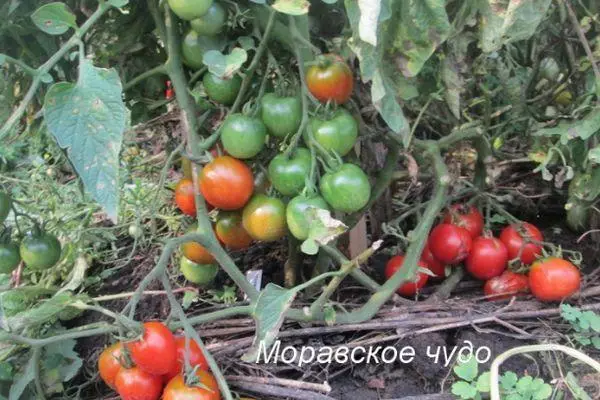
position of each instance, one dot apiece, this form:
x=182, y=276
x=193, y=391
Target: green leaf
x=188, y=299
x=54, y=18
x=570, y=313
x=118, y=3
x=292, y=7
x=224, y=66
x=593, y=320
x=88, y=119
x=596, y=342
x=247, y=42
x=467, y=370
x=67, y=361
x=582, y=128
x=367, y=24
x=464, y=390
x=22, y=380
x=6, y=372
x=508, y=380
x=46, y=311
x=323, y=229
x=524, y=384
x=484, y=382
x=541, y=390
x=503, y=22
x=77, y=275
x=330, y=315
x=453, y=82
x=594, y=155
x=269, y=312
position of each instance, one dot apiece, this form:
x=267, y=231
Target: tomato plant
x=450, y=244
x=226, y=183
x=190, y=9
x=220, y=90
x=206, y=388
x=264, y=218
x=211, y=23
x=230, y=231
x=185, y=198
x=410, y=288
x=296, y=214
x=488, y=258
x=40, y=250
x=243, y=136
x=195, y=357
x=522, y=241
x=337, y=134
x=136, y=384
x=468, y=217
x=346, y=189
x=506, y=285
x=155, y=352
x=330, y=79
x=200, y=274
x=109, y=363
x=554, y=279
x=288, y=174
x=281, y=115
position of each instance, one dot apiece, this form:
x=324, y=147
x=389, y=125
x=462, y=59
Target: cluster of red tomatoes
x=153, y=365
x=460, y=238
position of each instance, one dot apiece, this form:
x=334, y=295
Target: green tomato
x=243, y=136
x=346, y=189
x=549, y=69
x=288, y=175
x=296, y=214
x=190, y=9
x=9, y=257
x=281, y=115
x=578, y=215
x=212, y=22
x=5, y=204
x=200, y=274
x=336, y=134
x=223, y=91
x=194, y=46
x=40, y=251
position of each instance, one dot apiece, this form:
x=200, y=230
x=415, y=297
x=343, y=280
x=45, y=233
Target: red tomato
x=433, y=264
x=109, y=363
x=208, y=389
x=156, y=351
x=226, y=183
x=506, y=285
x=410, y=288
x=553, y=279
x=231, y=232
x=450, y=243
x=169, y=92
x=488, y=258
x=196, y=358
x=330, y=79
x=517, y=239
x=135, y=384
x=467, y=217
x=184, y=197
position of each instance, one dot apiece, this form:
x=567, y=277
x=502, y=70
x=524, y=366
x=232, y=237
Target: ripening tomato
x=184, y=197
x=200, y=274
x=330, y=79
x=155, y=352
x=468, y=217
x=230, y=231
x=409, y=288
x=208, y=389
x=506, y=285
x=450, y=244
x=196, y=358
x=195, y=252
x=553, y=279
x=264, y=218
x=519, y=240
x=433, y=264
x=488, y=258
x=109, y=363
x=136, y=384
x=226, y=183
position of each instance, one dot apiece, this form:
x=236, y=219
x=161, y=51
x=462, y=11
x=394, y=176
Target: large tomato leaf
x=503, y=23
x=292, y=7
x=54, y=18
x=269, y=313
x=88, y=119
x=408, y=32
x=225, y=65
x=583, y=128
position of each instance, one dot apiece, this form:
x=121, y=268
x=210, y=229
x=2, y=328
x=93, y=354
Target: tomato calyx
x=191, y=379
